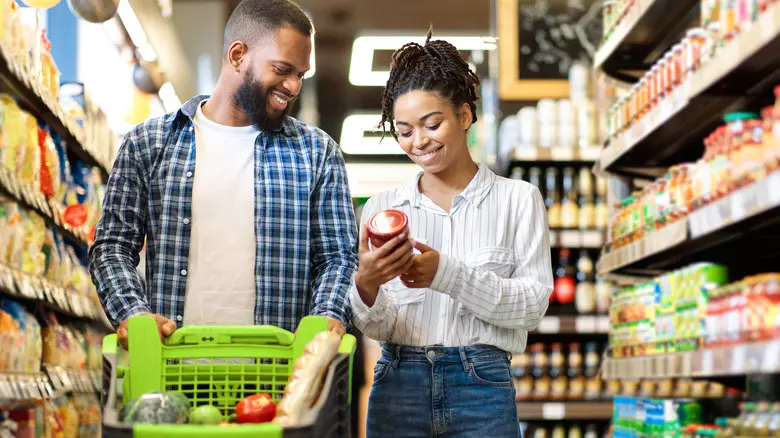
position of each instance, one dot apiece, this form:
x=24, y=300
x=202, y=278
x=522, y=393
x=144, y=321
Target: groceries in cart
x=300, y=394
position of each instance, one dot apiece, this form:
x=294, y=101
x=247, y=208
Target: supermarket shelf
x=740, y=76
x=531, y=154
x=745, y=222
x=755, y=358
x=26, y=387
x=16, y=82
x=19, y=285
x=639, y=38
x=35, y=200
x=576, y=238
x=529, y=411
x=585, y=324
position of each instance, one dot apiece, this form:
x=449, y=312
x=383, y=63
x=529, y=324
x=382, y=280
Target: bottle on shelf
x=576, y=378
x=540, y=372
x=593, y=385
x=552, y=198
x=564, y=284
x=518, y=173
x=575, y=432
x=601, y=208
x=591, y=431
x=587, y=219
x=585, y=293
x=603, y=295
x=558, y=377
x=570, y=210
x=524, y=379
x=535, y=178
x=559, y=431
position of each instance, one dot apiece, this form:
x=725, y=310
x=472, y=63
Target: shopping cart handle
x=209, y=335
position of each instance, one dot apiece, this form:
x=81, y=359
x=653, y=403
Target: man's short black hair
x=253, y=19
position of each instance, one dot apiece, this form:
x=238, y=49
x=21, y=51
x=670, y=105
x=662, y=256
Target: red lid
x=387, y=222
x=777, y=90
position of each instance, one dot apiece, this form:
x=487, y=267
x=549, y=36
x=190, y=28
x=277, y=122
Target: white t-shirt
x=221, y=279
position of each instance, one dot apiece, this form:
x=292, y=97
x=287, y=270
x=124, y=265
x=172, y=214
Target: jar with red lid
x=669, y=75
x=385, y=225
x=752, y=152
x=734, y=319
x=677, y=65
x=652, y=82
x=770, y=141
x=661, y=78
x=694, y=42
x=771, y=285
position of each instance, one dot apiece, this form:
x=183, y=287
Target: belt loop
x=397, y=357
x=509, y=356
x=464, y=359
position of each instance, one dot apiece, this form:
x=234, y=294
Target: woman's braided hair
x=436, y=66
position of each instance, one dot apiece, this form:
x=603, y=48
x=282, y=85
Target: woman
x=449, y=314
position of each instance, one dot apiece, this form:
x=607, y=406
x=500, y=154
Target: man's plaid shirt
x=305, y=226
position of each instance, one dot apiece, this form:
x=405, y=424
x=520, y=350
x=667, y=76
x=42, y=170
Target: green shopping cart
x=220, y=366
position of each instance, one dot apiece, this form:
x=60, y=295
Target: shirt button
x=178, y=317
x=186, y=221
x=183, y=272
x=189, y=174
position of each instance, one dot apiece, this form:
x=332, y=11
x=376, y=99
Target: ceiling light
x=360, y=136
x=361, y=71
x=131, y=23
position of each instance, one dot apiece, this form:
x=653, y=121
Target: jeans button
x=431, y=354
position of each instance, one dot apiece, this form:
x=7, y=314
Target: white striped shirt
x=494, y=278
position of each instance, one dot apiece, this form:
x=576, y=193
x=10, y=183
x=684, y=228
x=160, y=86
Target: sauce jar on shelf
x=677, y=65
x=693, y=44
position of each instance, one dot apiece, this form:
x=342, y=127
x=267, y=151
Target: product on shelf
x=666, y=314
x=20, y=339
x=579, y=203
x=744, y=311
x=560, y=374
x=737, y=153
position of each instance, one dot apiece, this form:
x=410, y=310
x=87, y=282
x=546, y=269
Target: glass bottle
x=570, y=209
x=552, y=198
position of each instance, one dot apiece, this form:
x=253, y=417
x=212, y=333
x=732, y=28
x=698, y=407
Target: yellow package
x=30, y=170
x=13, y=137
x=33, y=258
x=13, y=252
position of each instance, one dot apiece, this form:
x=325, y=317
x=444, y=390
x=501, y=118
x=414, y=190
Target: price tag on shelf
x=603, y=324
x=36, y=287
x=562, y=154
x=585, y=324
x=525, y=153
x=553, y=411
x=6, y=279
x=770, y=363
x=5, y=388
x=592, y=239
x=550, y=324
x=706, y=362
x=570, y=239
x=738, y=359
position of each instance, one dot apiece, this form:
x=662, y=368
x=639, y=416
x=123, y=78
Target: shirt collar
x=191, y=107
x=475, y=192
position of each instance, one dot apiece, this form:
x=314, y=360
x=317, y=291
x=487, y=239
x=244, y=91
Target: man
x=260, y=229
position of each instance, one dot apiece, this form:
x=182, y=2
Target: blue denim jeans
x=442, y=392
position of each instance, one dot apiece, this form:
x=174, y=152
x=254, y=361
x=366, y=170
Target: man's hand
x=334, y=325
x=423, y=269
x=165, y=326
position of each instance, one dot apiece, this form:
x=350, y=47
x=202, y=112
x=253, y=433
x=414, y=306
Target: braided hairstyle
x=436, y=66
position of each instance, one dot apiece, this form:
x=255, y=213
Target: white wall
x=200, y=25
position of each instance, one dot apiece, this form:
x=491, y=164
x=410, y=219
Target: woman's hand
x=377, y=267
x=424, y=268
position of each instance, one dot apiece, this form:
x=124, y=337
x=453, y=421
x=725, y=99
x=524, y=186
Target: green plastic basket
x=219, y=366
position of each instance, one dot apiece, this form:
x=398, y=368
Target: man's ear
x=236, y=54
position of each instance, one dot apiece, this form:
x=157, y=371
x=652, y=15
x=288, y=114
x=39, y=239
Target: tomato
x=258, y=408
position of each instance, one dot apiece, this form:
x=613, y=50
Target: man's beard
x=252, y=100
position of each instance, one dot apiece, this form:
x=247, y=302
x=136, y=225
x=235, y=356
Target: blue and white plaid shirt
x=304, y=223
